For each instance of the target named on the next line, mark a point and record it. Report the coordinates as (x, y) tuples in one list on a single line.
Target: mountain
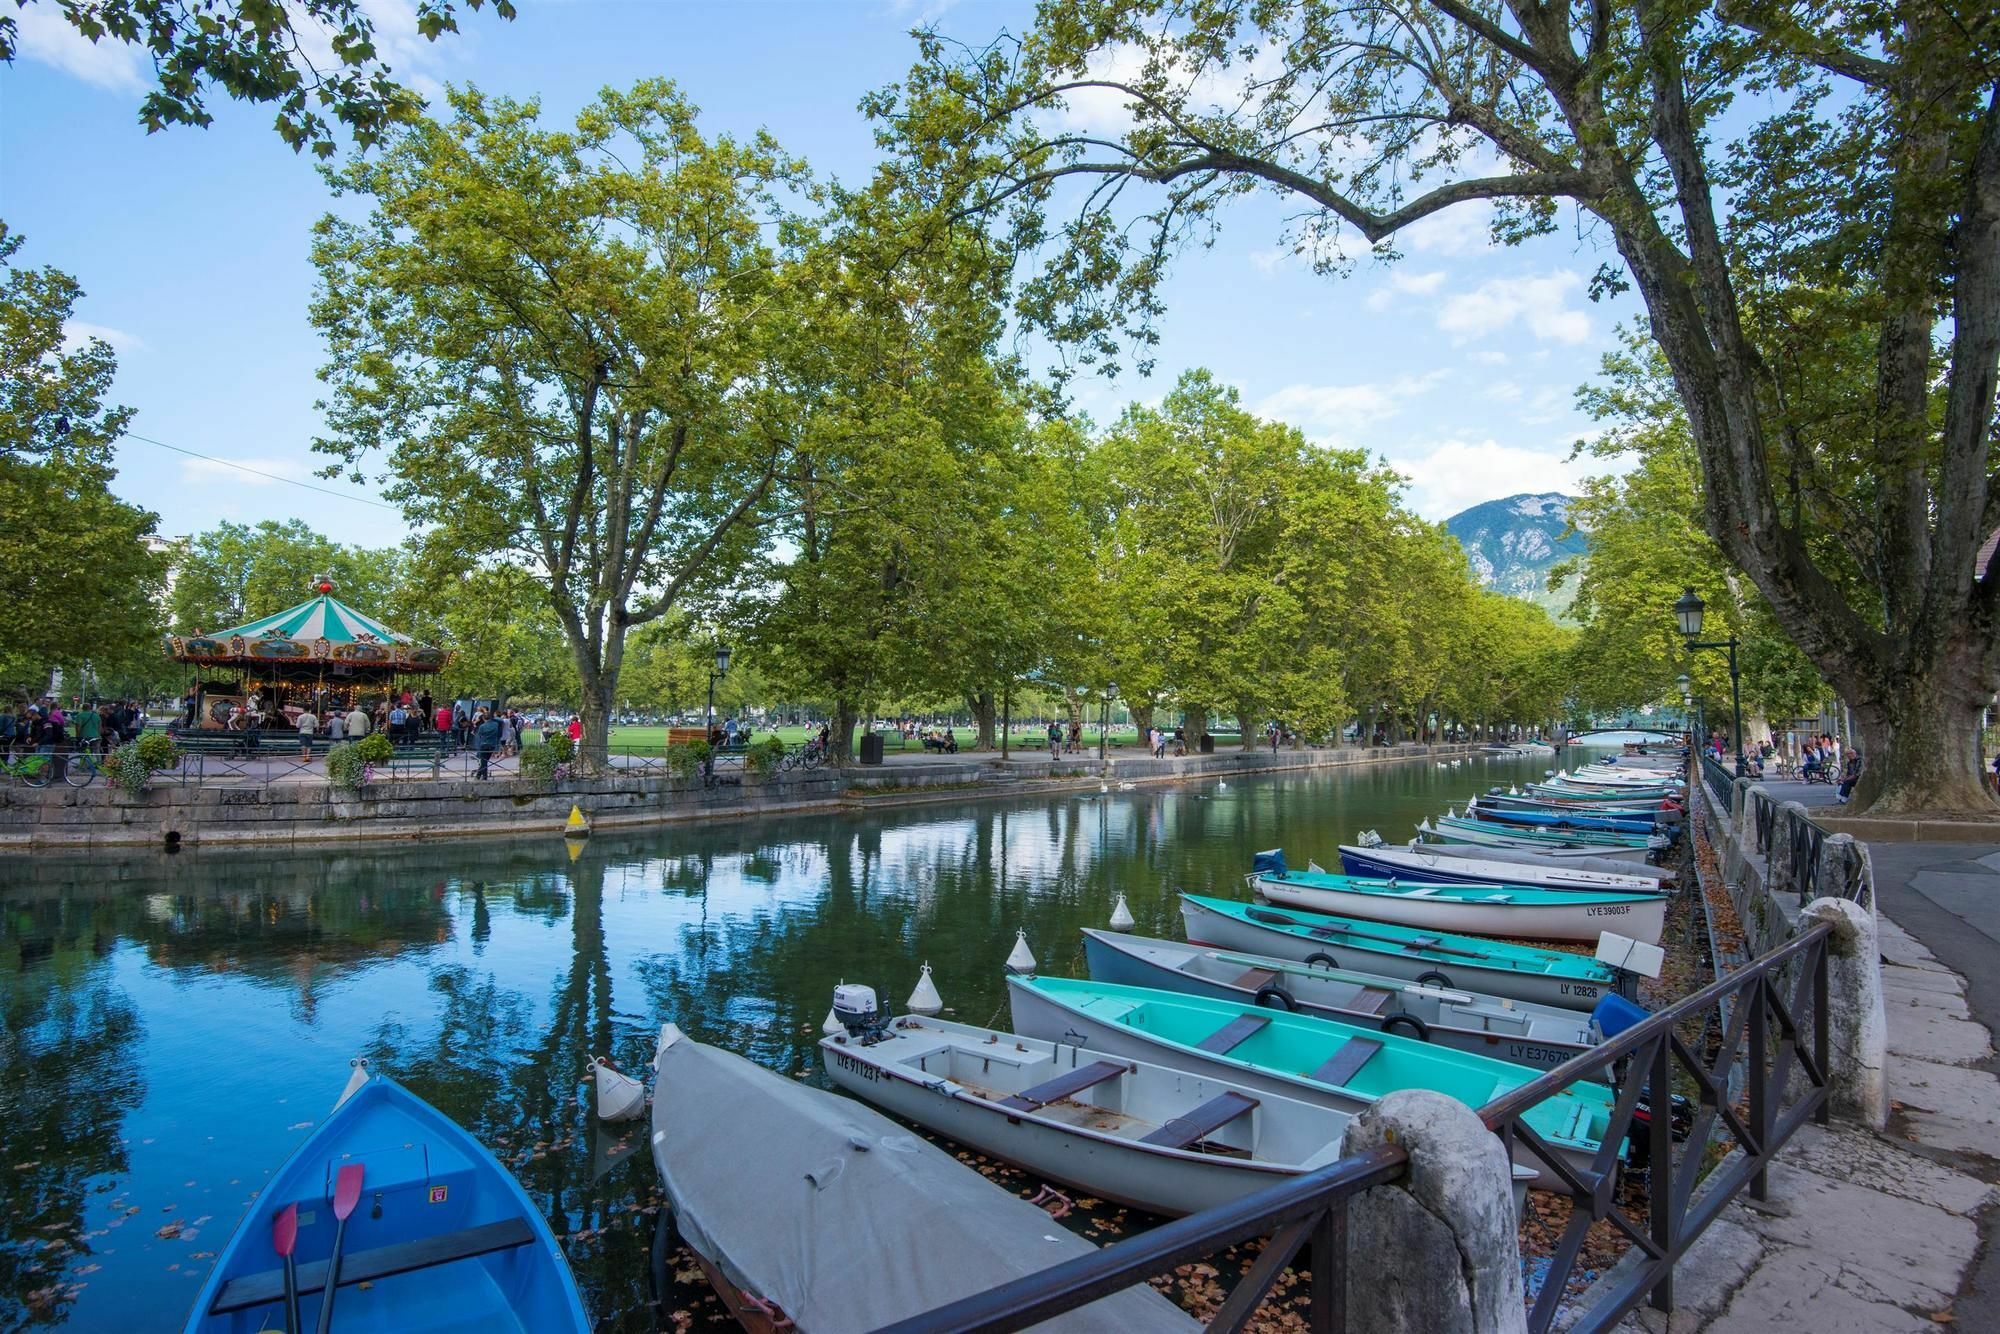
[(1512, 543)]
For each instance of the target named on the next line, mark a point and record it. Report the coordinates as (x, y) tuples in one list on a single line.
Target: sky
[(1456, 364)]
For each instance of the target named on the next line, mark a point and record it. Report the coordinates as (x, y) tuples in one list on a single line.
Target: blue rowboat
[(1549, 977), (1622, 824), (1298, 1056), (1442, 864), (443, 1238), (1644, 840)]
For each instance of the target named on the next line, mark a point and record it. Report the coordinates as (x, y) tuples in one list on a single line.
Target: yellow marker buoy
[(574, 847), (576, 826)]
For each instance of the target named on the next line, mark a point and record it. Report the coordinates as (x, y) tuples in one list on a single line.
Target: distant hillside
[(1513, 542)]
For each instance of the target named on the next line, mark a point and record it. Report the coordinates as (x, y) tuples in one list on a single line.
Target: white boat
[(1145, 1135), (1432, 863), (1478, 910), (1541, 1036)]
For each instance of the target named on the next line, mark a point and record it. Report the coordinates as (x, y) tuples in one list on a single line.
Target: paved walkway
[(1890, 1232)]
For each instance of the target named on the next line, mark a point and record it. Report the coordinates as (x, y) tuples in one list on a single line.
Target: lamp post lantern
[(1689, 612), (715, 673)]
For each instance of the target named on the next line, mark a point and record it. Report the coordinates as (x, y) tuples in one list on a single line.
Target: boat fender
[(1274, 997), (1407, 1024), (1321, 956), (1435, 979)]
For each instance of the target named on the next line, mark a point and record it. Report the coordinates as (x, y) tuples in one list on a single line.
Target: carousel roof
[(324, 617), (319, 631)]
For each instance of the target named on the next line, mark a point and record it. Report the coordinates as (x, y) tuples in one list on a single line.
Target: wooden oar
[(284, 1240), (346, 1194), (1390, 940)]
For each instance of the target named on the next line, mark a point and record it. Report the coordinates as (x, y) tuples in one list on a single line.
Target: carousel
[(322, 655)]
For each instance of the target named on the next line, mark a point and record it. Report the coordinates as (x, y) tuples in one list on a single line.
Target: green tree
[(505, 641), (236, 572), (81, 577), (258, 51), (1791, 193), (563, 347)]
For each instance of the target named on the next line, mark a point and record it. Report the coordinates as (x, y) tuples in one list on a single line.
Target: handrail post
[(1660, 1167), (1758, 1069), (1329, 1271), (1824, 1112)]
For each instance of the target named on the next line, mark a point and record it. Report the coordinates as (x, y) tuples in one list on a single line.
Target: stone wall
[(302, 812)]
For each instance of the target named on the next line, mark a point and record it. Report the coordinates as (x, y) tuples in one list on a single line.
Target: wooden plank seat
[(1065, 1085), (1255, 979), (1234, 1034), (1202, 1122), (1369, 1000), (240, 1294), (1347, 1062)]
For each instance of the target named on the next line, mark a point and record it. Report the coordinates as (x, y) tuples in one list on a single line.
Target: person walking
[(1055, 740), (357, 722), (487, 733), (89, 730)]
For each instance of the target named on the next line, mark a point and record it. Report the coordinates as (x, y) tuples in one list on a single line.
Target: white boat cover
[(840, 1216)]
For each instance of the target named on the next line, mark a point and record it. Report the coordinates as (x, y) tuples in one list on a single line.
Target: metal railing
[(1774, 1045), (1309, 1209), (1720, 780), (1804, 839)]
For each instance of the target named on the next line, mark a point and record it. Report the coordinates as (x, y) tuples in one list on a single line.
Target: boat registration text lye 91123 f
[(854, 1067)]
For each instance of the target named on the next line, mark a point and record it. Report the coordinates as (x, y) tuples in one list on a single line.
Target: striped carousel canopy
[(318, 633), (324, 617)]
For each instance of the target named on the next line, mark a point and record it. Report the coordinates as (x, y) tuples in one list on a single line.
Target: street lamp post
[(715, 673), (1688, 611)]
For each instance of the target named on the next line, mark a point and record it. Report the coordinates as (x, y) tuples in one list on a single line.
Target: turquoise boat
[(439, 1236), (1545, 977), (1299, 1056)]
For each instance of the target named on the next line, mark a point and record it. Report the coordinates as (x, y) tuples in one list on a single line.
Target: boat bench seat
[(1233, 1034), (1369, 1000), (1202, 1122), (1256, 979), (1068, 1084), (240, 1294), (1347, 1062)]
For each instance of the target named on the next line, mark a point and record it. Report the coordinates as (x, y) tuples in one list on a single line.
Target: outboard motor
[(854, 1006), (1271, 863)]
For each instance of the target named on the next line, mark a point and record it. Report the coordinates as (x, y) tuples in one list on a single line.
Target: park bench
[(426, 751)]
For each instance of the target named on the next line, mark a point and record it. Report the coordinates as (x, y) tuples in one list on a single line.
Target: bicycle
[(39, 768), (805, 756)]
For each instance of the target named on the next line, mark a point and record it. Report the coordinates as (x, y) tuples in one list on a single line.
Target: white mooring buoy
[(1022, 961), (925, 999), (354, 1081), (1121, 916), (619, 1096)]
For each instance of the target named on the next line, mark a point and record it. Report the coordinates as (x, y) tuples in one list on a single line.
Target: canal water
[(172, 1026)]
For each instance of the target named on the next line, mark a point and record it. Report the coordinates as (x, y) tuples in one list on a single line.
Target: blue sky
[(1456, 364)]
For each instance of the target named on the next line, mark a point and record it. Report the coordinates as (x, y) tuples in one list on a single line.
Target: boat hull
[(1223, 930), (1543, 1040), (1582, 921), (1169, 1182), (1474, 833)]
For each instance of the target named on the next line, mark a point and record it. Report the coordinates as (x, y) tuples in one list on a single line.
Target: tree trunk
[(983, 710), (1920, 749), (841, 741), (1245, 740), (1194, 728), (1142, 720)]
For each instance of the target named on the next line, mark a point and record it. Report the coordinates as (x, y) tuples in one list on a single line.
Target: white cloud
[(1461, 229), (1405, 284), (1497, 304), (1487, 357), (1451, 475), (232, 471), (77, 332), (46, 36), (1331, 409)]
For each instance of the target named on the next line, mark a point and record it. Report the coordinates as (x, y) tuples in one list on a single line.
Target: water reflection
[(175, 1025)]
